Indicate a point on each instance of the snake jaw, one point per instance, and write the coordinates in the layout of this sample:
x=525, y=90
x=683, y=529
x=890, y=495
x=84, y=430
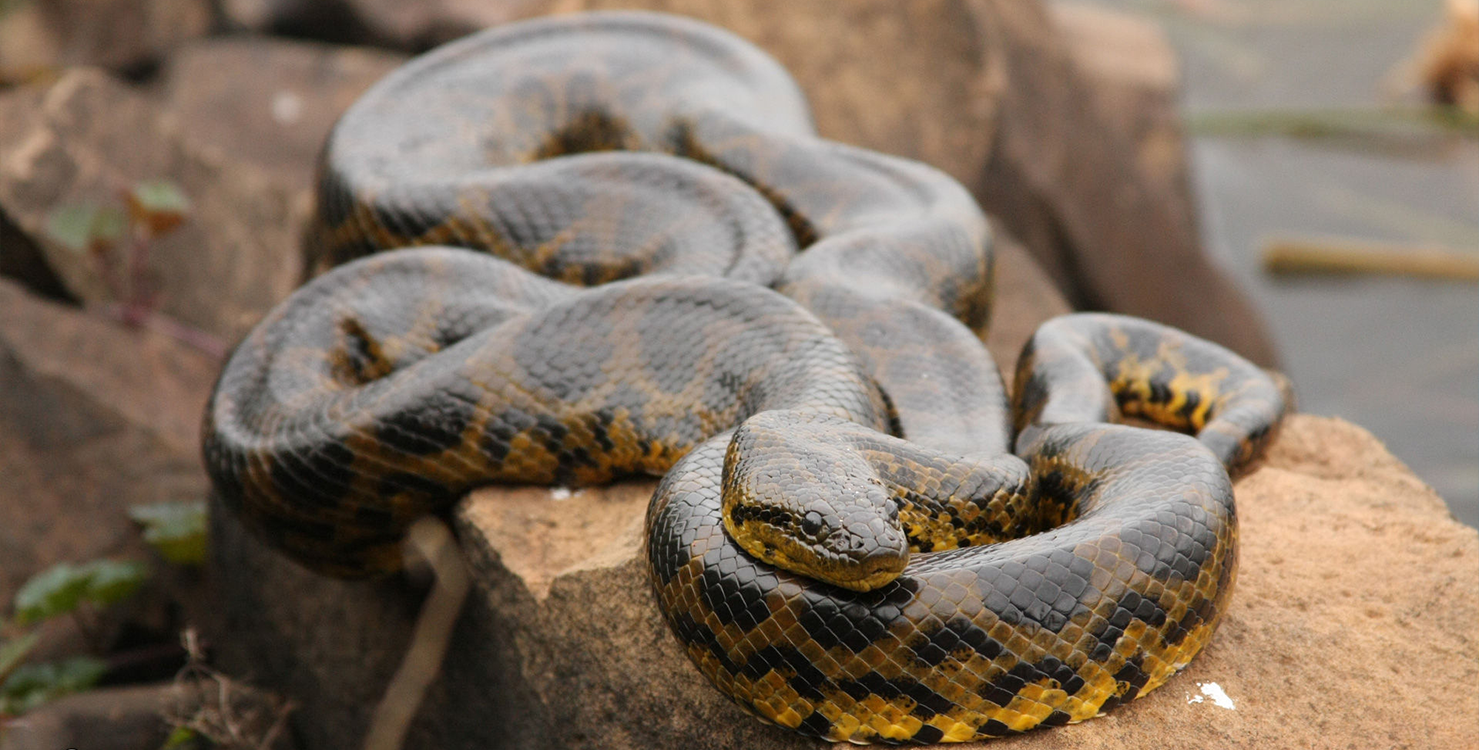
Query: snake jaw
x=864, y=566
x=861, y=554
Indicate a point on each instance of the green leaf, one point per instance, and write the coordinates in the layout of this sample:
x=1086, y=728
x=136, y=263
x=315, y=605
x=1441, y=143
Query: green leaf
x=180, y=738
x=159, y=204
x=81, y=227
x=54, y=591
x=13, y=652
x=114, y=580
x=109, y=225
x=34, y=684
x=177, y=530
x=160, y=195
x=61, y=588
x=71, y=226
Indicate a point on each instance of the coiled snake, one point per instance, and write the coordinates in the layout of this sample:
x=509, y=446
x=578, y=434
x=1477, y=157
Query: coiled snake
x=855, y=535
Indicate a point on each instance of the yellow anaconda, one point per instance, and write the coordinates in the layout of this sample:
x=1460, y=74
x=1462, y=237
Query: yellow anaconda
x=856, y=536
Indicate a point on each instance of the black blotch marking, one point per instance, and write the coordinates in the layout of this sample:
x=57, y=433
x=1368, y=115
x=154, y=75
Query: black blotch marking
x=957, y=635
x=928, y=703
x=415, y=486
x=1056, y=719
x=738, y=599
x=320, y=476
x=409, y=212
x=995, y=728
x=1193, y=400
x=815, y=725
x=600, y=427
x=928, y=735
x=590, y=130
x=1133, y=677
x=804, y=677
x=433, y=425
x=501, y=428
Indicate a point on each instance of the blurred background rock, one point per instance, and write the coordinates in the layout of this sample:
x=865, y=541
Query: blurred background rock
x=1289, y=107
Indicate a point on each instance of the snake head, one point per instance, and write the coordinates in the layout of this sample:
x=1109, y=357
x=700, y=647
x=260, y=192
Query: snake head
x=799, y=501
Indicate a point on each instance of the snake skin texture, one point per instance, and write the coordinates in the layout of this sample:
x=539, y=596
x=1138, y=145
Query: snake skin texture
x=622, y=250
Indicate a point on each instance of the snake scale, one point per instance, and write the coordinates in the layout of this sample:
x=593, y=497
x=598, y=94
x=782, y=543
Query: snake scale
x=859, y=534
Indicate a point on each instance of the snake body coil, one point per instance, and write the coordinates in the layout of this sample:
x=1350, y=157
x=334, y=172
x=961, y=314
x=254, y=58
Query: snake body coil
x=856, y=536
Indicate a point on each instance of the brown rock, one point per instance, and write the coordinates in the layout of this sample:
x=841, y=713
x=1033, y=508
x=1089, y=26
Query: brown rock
x=1084, y=184
x=94, y=418
x=20, y=258
x=1355, y=622
x=1025, y=297
x=1135, y=80
x=277, y=117
x=89, y=138
x=120, y=34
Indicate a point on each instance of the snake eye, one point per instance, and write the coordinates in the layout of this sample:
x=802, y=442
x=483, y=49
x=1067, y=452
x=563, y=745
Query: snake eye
x=811, y=523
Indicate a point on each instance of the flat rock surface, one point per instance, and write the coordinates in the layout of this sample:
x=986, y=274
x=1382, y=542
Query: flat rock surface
x=1357, y=606
x=1356, y=612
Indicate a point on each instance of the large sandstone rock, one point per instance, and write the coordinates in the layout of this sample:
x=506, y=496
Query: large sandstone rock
x=37, y=37
x=94, y=418
x=87, y=137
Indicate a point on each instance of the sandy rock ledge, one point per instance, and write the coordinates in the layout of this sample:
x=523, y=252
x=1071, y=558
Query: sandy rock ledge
x=1355, y=624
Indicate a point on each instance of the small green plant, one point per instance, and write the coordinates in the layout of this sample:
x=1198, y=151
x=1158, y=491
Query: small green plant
x=63, y=590
x=176, y=530
x=117, y=238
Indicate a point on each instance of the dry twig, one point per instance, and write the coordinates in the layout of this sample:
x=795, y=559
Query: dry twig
x=431, y=540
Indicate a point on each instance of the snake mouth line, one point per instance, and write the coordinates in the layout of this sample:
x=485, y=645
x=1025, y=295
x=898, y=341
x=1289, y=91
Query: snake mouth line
x=860, y=573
